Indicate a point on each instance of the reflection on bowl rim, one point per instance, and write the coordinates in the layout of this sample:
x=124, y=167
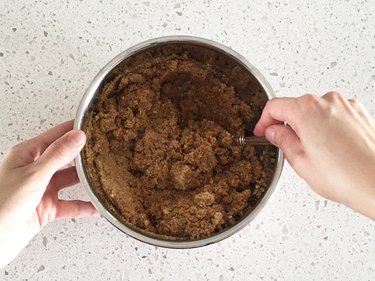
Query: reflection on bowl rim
x=84, y=106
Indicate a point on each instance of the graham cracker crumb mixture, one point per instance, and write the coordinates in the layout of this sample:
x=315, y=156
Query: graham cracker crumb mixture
x=160, y=153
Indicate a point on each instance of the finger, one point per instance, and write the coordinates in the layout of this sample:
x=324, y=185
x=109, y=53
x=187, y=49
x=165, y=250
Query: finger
x=361, y=110
x=351, y=104
x=74, y=209
x=61, y=152
x=48, y=137
x=276, y=111
x=64, y=178
x=286, y=139
x=30, y=150
x=359, y=107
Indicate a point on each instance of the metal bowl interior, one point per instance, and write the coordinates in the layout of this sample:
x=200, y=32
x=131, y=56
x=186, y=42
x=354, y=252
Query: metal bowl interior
x=220, y=57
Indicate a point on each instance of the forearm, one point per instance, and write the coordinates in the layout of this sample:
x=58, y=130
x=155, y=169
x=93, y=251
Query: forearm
x=359, y=190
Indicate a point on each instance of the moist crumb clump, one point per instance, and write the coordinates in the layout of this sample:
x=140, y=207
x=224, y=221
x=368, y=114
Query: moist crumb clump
x=160, y=151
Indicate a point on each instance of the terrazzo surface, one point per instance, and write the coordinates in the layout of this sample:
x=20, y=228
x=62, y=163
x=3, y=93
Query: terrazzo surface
x=51, y=50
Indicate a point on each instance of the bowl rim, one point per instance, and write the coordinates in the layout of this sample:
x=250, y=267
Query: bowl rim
x=86, y=101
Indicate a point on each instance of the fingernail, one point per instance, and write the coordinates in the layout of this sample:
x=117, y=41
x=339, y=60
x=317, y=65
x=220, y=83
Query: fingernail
x=270, y=134
x=77, y=137
x=255, y=130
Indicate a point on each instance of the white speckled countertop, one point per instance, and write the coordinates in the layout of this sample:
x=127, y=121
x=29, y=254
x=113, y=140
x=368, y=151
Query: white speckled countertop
x=50, y=51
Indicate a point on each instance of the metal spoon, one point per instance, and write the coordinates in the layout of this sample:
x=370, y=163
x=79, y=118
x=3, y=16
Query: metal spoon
x=242, y=140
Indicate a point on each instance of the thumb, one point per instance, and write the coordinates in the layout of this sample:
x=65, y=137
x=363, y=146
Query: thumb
x=286, y=139
x=61, y=152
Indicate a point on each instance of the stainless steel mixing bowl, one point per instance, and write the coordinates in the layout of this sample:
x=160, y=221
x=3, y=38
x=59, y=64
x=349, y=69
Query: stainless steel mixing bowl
x=94, y=89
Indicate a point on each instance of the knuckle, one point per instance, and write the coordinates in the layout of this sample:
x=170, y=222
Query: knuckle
x=309, y=98
x=26, y=150
x=15, y=149
x=270, y=103
x=354, y=102
x=334, y=96
x=14, y=152
x=307, y=101
x=358, y=106
x=307, y=104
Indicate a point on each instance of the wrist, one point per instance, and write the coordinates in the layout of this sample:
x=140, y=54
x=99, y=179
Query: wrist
x=362, y=196
x=13, y=240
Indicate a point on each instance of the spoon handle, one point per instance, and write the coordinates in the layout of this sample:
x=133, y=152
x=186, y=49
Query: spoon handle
x=252, y=140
